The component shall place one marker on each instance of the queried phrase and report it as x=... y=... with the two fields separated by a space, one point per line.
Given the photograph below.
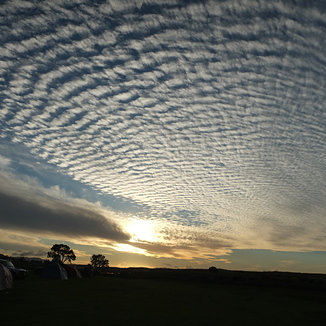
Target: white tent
x=5 y=278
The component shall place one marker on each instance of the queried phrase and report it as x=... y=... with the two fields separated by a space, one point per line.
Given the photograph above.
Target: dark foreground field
x=128 y=300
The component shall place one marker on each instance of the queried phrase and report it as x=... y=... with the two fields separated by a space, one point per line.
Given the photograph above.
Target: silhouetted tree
x=61 y=253
x=98 y=261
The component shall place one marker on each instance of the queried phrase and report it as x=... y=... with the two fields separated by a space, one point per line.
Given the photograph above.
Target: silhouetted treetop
x=61 y=253
x=98 y=261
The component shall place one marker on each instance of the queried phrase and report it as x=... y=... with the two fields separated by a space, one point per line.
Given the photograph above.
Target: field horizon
x=161 y=297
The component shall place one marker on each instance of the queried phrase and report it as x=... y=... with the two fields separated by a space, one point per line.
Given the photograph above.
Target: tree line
x=62 y=253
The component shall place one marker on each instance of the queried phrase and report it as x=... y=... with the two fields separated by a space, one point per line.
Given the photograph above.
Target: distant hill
x=222 y=276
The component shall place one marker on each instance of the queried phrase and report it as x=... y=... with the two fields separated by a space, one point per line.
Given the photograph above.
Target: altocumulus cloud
x=210 y=114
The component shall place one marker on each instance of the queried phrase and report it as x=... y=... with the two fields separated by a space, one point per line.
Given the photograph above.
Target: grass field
x=106 y=300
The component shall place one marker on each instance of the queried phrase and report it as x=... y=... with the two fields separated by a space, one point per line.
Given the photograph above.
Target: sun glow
x=123 y=247
x=141 y=230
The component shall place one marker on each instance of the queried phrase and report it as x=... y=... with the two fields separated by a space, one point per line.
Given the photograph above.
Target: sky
x=165 y=133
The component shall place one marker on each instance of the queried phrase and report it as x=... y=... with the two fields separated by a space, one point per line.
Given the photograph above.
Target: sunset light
x=141 y=230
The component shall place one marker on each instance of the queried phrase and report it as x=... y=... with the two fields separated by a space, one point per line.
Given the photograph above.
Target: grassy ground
x=105 y=300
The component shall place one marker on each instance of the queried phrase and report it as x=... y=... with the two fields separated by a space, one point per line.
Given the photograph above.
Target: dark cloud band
x=38 y=214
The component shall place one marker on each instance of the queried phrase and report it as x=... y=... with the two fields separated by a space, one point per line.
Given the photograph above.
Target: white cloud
x=4 y=162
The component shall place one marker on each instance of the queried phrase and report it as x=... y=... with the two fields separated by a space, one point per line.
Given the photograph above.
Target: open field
x=128 y=300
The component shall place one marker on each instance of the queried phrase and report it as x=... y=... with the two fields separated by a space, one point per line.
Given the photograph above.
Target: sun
x=141 y=230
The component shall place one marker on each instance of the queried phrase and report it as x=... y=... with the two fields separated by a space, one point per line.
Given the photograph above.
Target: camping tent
x=54 y=271
x=72 y=271
x=5 y=278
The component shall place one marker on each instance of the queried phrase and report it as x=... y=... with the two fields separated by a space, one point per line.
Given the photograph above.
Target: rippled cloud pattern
x=209 y=114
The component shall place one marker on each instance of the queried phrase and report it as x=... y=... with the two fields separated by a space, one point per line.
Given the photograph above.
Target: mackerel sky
x=165 y=133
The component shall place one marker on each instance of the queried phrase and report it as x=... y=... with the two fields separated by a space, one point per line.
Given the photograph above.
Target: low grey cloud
x=33 y=254
x=50 y=216
x=210 y=107
x=23 y=250
x=20 y=242
x=32 y=209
